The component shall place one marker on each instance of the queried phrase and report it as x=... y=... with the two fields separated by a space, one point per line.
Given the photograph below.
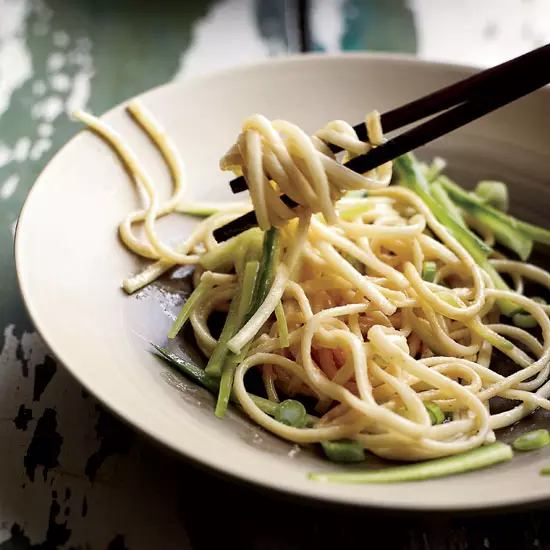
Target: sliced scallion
x=282 y=325
x=524 y=320
x=532 y=441
x=234 y=319
x=343 y=450
x=475 y=459
x=429 y=270
x=245 y=297
x=493 y=193
x=436 y=414
x=291 y=413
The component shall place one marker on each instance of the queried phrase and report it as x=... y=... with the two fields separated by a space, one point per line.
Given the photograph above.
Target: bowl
x=70 y=262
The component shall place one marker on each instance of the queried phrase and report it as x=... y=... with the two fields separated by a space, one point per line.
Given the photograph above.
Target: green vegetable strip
x=429 y=270
x=413 y=179
x=343 y=450
x=223 y=256
x=532 y=441
x=269 y=257
x=493 y=193
x=440 y=195
x=481 y=457
x=234 y=319
x=261 y=288
x=524 y=320
x=291 y=413
x=282 y=324
x=185 y=311
x=246 y=297
x=436 y=414
x=505 y=227
x=198 y=375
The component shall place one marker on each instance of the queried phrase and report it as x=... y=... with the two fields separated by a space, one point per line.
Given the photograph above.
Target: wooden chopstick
x=521 y=79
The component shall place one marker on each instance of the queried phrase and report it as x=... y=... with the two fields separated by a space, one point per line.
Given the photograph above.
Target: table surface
x=71 y=475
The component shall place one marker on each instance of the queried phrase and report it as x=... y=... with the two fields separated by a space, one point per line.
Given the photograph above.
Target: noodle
x=369 y=338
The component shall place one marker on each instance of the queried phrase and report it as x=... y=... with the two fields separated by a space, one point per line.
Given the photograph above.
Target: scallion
x=475 y=459
x=506 y=229
x=532 y=441
x=291 y=413
x=245 y=297
x=436 y=414
x=524 y=320
x=429 y=270
x=282 y=325
x=493 y=193
x=261 y=288
x=343 y=450
x=237 y=309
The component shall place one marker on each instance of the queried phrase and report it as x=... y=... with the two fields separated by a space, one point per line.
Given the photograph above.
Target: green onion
x=198 y=375
x=412 y=178
x=261 y=288
x=436 y=414
x=234 y=319
x=343 y=450
x=524 y=320
x=440 y=195
x=493 y=193
x=440 y=467
x=269 y=257
x=291 y=413
x=185 y=311
x=505 y=228
x=531 y=441
x=282 y=325
x=244 y=299
x=428 y=271
x=545 y=471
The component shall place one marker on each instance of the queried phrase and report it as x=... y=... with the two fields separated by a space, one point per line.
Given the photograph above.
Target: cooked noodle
x=369 y=338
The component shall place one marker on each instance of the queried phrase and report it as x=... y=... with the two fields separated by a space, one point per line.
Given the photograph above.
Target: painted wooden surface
x=72 y=476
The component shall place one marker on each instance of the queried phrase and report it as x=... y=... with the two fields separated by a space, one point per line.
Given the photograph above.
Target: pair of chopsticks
x=459 y=103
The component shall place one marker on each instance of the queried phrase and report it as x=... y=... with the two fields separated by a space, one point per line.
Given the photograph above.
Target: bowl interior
x=70 y=262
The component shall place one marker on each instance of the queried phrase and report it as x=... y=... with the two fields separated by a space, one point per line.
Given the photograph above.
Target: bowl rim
x=265 y=484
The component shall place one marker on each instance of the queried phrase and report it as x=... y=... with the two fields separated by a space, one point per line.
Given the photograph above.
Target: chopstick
x=476 y=96
x=470 y=88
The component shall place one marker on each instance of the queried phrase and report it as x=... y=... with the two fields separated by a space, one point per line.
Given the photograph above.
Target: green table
x=72 y=476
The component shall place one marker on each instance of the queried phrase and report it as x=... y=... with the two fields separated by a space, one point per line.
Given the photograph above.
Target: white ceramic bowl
x=70 y=262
